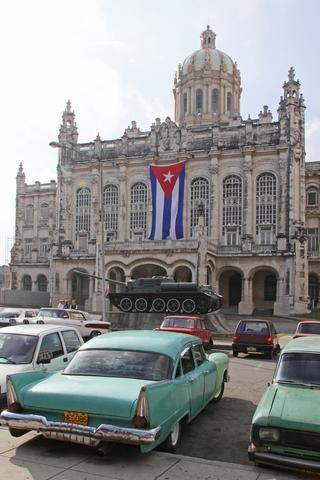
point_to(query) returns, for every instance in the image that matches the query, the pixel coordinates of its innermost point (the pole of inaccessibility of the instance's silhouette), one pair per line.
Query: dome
(208, 57)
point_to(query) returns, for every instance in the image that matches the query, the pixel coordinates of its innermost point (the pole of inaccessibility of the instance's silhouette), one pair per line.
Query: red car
(307, 328)
(255, 336)
(192, 325)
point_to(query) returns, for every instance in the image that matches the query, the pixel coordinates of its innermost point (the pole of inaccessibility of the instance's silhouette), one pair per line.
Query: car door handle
(206, 372)
(191, 379)
(65, 359)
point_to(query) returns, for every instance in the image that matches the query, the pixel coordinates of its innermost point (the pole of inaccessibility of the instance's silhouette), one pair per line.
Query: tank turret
(163, 294)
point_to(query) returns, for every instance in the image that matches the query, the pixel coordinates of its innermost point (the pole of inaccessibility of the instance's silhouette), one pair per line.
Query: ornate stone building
(245, 210)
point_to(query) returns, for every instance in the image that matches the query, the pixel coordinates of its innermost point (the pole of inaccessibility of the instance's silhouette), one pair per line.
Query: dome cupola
(207, 85)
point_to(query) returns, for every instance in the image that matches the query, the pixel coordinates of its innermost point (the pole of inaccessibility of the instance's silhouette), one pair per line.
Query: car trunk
(107, 396)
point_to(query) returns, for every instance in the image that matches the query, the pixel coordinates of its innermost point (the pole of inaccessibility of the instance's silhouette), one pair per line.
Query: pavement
(32, 457)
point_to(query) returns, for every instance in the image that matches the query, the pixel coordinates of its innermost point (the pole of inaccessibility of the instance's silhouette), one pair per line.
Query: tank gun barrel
(118, 282)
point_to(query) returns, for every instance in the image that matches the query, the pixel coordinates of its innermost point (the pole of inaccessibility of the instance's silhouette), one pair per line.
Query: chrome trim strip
(79, 433)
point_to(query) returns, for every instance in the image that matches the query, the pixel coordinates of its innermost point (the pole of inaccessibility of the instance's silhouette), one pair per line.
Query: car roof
(182, 316)
(316, 322)
(166, 343)
(34, 329)
(303, 344)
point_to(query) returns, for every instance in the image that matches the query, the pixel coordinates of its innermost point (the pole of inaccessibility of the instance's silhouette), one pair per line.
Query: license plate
(76, 418)
(251, 349)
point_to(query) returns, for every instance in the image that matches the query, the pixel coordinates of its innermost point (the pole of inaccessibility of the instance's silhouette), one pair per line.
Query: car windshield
(302, 368)
(16, 348)
(57, 313)
(9, 314)
(121, 363)
(312, 328)
(178, 322)
(253, 328)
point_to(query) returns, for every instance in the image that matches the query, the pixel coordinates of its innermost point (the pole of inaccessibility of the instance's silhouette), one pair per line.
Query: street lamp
(54, 144)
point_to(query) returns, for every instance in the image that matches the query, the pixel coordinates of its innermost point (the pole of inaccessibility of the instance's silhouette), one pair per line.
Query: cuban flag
(167, 188)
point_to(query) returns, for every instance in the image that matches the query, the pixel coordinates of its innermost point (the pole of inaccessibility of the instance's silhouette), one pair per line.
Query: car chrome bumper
(285, 461)
(79, 433)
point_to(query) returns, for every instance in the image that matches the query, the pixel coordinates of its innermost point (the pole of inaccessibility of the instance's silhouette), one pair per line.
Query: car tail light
(98, 326)
(15, 407)
(234, 338)
(12, 400)
(269, 340)
(141, 418)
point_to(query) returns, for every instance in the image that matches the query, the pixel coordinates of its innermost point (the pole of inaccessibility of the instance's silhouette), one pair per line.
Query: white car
(78, 319)
(15, 316)
(25, 348)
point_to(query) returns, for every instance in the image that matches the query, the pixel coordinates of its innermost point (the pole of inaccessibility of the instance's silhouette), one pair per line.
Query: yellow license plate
(77, 418)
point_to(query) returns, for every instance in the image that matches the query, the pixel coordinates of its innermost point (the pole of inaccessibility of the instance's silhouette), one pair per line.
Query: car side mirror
(45, 356)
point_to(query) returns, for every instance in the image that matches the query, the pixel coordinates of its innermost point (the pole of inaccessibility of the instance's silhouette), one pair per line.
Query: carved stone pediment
(169, 136)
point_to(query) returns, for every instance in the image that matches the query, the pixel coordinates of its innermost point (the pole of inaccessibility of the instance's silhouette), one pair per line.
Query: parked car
(307, 328)
(192, 325)
(286, 424)
(14, 316)
(255, 336)
(134, 387)
(35, 347)
(87, 327)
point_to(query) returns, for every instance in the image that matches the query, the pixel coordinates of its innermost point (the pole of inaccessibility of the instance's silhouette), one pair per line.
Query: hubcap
(175, 434)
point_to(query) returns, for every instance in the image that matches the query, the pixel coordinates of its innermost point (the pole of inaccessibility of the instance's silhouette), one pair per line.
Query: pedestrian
(61, 304)
(66, 304)
(73, 304)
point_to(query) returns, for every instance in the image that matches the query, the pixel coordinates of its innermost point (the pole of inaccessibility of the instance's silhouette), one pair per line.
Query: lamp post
(101, 215)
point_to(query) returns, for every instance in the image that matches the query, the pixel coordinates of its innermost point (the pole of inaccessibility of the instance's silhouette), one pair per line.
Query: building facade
(251, 206)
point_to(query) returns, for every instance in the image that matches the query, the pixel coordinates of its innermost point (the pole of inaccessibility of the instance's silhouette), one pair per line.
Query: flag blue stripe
(179, 219)
(153, 181)
(166, 217)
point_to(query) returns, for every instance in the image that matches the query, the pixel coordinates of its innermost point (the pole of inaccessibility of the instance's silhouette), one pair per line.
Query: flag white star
(168, 176)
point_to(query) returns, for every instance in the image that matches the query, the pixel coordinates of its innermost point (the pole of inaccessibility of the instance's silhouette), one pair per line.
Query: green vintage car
(133, 387)
(286, 424)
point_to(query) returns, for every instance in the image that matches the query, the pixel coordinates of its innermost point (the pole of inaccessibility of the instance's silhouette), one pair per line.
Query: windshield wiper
(8, 360)
(290, 382)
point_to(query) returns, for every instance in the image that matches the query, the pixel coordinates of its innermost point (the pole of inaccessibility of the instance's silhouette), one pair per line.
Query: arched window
(83, 207)
(266, 208)
(215, 100)
(232, 209)
(26, 283)
(138, 211)
(111, 205)
(229, 102)
(42, 283)
(199, 204)
(199, 100)
(44, 213)
(312, 196)
(185, 103)
(29, 214)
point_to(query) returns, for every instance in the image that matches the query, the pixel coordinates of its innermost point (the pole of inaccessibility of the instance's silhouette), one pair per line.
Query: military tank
(163, 294)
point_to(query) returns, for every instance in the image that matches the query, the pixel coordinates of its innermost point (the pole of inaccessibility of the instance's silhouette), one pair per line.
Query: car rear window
(178, 322)
(253, 328)
(313, 328)
(121, 363)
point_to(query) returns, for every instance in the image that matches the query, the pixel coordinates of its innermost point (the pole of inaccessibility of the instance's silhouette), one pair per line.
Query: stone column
(246, 305)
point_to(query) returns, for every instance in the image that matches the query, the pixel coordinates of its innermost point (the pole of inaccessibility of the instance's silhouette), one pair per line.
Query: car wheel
(234, 353)
(94, 333)
(220, 393)
(15, 432)
(40, 322)
(210, 344)
(172, 441)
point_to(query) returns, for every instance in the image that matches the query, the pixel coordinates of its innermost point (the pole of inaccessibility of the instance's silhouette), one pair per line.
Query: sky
(115, 61)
